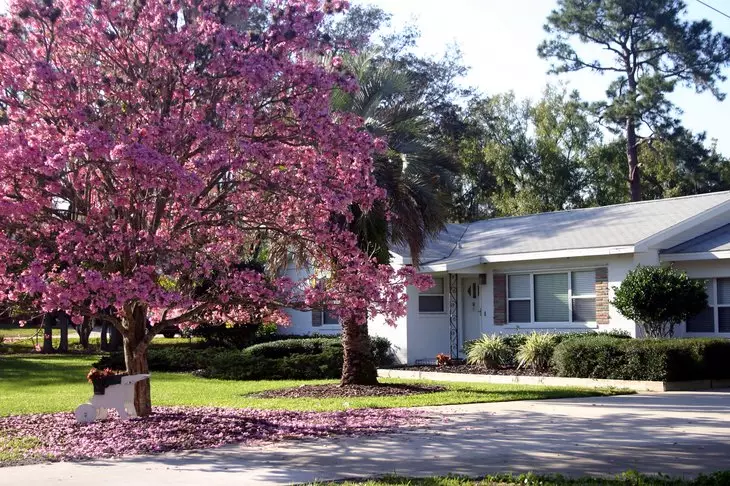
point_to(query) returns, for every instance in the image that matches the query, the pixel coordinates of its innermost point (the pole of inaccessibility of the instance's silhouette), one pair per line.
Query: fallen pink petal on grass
(183, 428)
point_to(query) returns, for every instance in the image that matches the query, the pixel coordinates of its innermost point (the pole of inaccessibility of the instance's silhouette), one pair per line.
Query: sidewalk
(677, 433)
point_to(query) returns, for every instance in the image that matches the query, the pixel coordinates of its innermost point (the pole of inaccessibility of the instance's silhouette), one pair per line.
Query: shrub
(236, 336)
(514, 342)
(293, 359)
(659, 298)
(536, 351)
(643, 359)
(489, 350)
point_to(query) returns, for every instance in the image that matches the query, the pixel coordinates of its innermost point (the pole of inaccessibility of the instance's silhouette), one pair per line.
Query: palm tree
(415, 174)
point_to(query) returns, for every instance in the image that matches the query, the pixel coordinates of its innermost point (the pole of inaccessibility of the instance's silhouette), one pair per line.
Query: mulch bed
(349, 391)
(59, 438)
(474, 370)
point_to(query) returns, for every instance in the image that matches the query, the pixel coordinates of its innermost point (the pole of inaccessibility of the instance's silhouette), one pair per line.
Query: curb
(639, 386)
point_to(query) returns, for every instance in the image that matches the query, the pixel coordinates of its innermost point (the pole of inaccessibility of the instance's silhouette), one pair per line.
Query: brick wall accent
(316, 318)
(500, 299)
(602, 296)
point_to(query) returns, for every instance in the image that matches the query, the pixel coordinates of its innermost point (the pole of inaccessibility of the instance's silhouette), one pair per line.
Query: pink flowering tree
(151, 149)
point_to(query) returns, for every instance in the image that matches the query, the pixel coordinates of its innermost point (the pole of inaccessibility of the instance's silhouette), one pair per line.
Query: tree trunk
(111, 338)
(62, 322)
(84, 331)
(135, 357)
(49, 320)
(632, 155)
(358, 366)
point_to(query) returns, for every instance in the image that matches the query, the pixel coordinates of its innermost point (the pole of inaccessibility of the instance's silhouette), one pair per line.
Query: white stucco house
(554, 271)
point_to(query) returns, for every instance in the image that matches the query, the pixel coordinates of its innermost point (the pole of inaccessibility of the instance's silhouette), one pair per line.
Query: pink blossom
(179, 428)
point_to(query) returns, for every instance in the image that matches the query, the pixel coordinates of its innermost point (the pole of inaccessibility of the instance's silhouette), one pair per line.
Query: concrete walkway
(677, 433)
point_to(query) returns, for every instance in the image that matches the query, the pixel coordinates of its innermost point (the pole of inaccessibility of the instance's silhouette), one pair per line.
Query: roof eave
(695, 256)
(531, 256)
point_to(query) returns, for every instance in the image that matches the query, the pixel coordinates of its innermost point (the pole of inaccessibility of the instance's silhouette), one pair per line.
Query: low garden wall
(635, 385)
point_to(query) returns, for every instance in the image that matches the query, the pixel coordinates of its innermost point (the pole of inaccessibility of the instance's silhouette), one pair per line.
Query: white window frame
(325, 324)
(715, 311)
(569, 322)
(531, 299)
(429, 293)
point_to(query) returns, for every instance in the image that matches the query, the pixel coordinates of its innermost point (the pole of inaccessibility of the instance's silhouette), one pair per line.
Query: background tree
(650, 49)
(659, 298)
(414, 173)
(524, 157)
(150, 149)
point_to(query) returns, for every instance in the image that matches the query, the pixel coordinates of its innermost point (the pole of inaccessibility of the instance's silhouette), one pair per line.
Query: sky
(499, 40)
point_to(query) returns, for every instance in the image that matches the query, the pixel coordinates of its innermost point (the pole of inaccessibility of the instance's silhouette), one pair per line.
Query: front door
(471, 310)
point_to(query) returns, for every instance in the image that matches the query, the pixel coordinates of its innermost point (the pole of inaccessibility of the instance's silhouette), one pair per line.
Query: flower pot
(100, 384)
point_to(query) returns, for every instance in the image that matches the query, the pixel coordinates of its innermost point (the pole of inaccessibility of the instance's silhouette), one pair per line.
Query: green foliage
(536, 351)
(659, 298)
(285, 359)
(643, 359)
(651, 50)
(237, 336)
(523, 157)
(489, 350)
(629, 478)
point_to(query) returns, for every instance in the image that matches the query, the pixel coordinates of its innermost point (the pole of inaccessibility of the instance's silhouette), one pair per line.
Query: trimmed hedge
(288, 359)
(515, 341)
(643, 359)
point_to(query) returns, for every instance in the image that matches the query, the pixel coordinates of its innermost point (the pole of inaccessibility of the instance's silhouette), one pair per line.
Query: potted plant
(101, 379)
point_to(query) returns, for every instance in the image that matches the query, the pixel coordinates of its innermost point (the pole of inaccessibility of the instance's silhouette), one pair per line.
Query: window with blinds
(519, 299)
(560, 297)
(432, 300)
(715, 318)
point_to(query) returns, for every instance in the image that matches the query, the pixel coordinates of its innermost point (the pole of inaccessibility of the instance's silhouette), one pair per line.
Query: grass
(40, 384)
(12, 450)
(630, 478)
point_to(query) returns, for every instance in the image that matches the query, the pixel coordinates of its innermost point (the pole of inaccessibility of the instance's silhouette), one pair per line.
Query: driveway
(676, 433)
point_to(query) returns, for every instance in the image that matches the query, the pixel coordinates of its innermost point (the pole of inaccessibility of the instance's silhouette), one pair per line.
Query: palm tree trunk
(358, 366)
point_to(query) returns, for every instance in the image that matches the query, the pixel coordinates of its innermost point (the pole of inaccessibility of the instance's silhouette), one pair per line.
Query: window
(716, 317)
(583, 296)
(705, 320)
(561, 297)
(519, 298)
(432, 300)
(330, 318)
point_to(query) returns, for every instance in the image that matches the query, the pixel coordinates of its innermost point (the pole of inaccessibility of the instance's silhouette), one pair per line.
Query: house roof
(618, 226)
(717, 240)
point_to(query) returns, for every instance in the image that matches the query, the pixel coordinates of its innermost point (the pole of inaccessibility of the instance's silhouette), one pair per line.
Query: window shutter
(602, 296)
(500, 299)
(551, 298)
(316, 318)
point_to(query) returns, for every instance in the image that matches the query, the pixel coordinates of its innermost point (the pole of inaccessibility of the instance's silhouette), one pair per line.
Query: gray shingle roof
(717, 240)
(608, 226)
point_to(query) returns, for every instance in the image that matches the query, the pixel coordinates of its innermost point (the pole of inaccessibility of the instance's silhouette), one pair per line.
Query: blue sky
(499, 39)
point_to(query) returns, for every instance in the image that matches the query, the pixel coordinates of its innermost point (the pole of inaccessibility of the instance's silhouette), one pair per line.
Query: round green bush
(659, 298)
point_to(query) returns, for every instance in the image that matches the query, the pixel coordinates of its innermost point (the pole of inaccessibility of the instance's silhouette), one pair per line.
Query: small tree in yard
(151, 150)
(659, 298)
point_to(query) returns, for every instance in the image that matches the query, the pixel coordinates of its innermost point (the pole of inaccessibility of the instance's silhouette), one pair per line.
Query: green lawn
(625, 479)
(36, 384)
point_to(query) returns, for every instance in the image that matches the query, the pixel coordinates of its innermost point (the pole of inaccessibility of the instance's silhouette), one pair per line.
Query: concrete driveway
(675, 433)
